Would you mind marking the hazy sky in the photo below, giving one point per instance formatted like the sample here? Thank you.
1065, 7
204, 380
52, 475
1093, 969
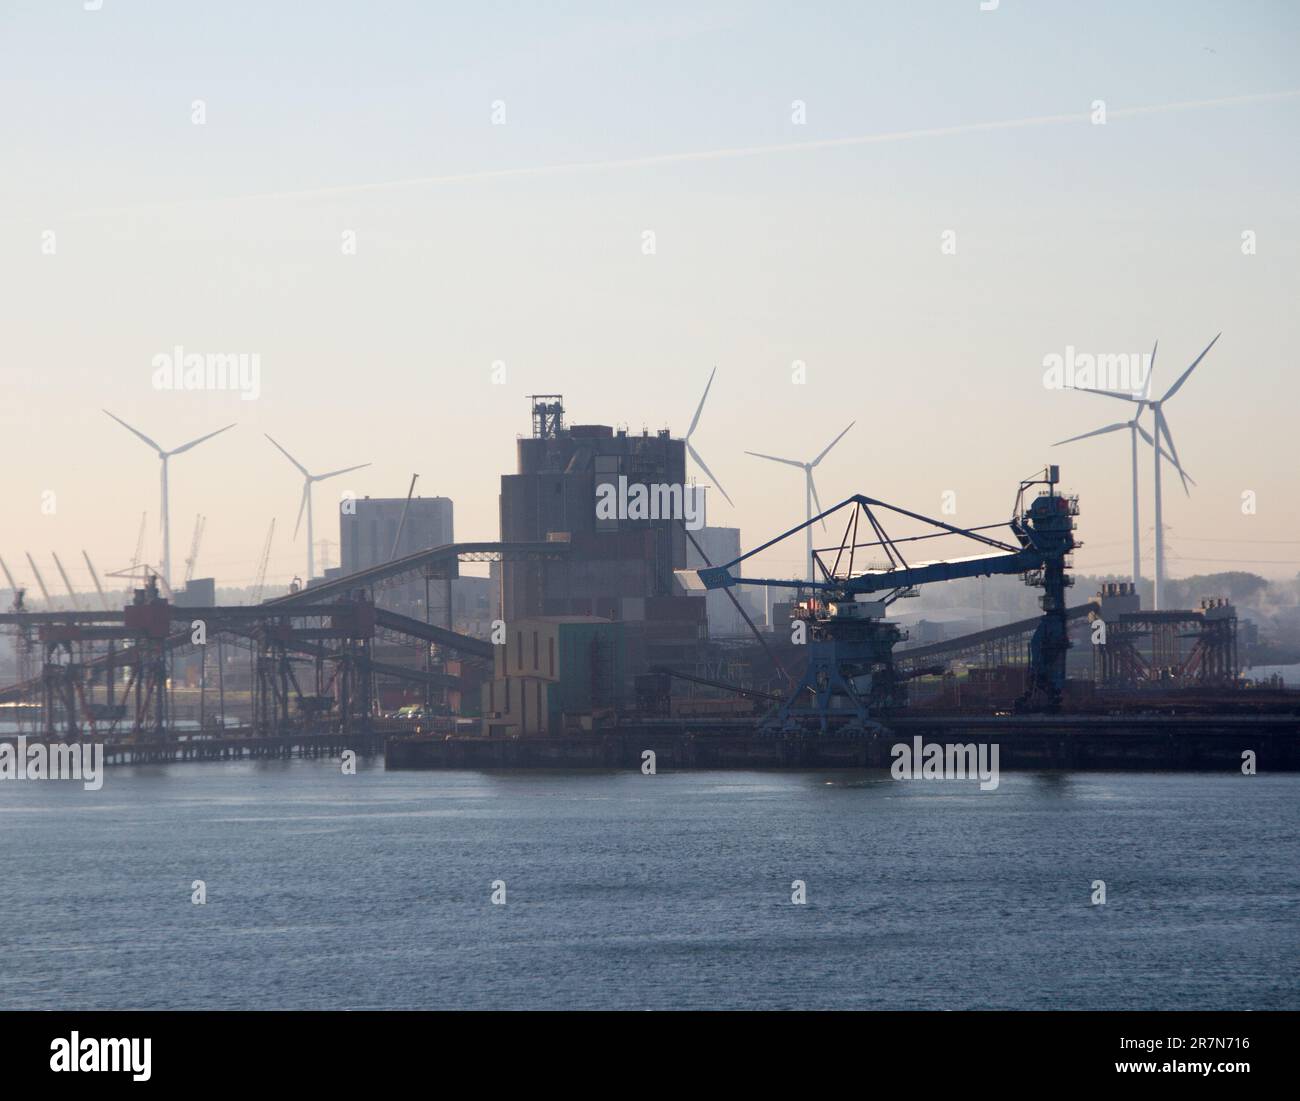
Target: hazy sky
228, 237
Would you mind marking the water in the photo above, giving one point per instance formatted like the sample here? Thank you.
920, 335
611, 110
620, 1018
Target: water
625, 891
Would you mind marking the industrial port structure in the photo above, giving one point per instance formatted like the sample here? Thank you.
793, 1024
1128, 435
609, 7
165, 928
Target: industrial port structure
601, 646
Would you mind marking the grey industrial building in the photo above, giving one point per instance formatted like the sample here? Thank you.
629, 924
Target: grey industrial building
721, 545
617, 569
368, 536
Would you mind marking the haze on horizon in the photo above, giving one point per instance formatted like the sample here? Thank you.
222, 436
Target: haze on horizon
522, 242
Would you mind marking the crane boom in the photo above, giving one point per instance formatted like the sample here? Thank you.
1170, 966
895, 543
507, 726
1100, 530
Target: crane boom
95, 578
138, 556
260, 584
76, 600
40, 581
13, 585
199, 523
906, 578
18, 593
401, 522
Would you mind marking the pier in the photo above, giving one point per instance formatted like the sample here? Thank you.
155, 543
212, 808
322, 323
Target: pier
232, 746
1079, 742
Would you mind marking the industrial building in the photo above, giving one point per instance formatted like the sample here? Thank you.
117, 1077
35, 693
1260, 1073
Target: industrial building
199, 592
616, 569
709, 546
555, 674
375, 530
368, 535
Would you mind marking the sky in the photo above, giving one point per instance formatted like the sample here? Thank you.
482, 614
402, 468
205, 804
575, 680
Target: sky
416, 214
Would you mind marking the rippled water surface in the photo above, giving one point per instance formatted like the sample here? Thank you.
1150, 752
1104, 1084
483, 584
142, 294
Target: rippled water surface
626, 891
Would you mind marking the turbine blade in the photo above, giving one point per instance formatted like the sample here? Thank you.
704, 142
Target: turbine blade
302, 507
336, 473
1095, 432
1162, 429
1108, 393
1183, 377
813, 486
831, 444
1151, 370
301, 469
788, 462
1151, 443
135, 432
195, 443
709, 473
700, 408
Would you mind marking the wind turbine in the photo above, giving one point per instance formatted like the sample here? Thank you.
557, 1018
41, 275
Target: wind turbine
164, 456
695, 454
307, 479
809, 490
1162, 433
1135, 430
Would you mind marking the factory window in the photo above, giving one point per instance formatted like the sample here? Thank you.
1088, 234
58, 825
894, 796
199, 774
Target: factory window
519, 650
550, 646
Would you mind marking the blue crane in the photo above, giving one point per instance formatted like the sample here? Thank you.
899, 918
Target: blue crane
850, 672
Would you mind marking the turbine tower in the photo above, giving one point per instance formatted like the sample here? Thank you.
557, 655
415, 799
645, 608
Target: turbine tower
307, 480
164, 456
695, 454
1163, 436
809, 490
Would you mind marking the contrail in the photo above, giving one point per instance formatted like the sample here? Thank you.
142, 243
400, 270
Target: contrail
735, 151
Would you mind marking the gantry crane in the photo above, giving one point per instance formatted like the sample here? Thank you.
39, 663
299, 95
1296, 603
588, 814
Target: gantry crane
850, 672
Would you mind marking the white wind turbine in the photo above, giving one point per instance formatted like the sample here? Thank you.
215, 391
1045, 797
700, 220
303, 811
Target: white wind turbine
809, 490
307, 479
164, 456
695, 420
1163, 435
1135, 430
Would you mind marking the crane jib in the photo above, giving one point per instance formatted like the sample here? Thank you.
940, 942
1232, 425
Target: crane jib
718, 577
